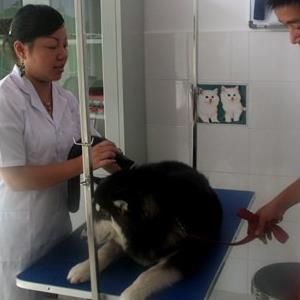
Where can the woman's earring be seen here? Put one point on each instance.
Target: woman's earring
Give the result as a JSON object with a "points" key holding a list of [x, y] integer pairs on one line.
{"points": [[22, 69]]}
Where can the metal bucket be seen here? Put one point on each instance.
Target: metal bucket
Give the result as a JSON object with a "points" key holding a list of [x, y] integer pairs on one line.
{"points": [[280, 281]]}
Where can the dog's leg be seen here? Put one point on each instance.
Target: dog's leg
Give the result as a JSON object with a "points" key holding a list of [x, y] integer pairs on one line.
{"points": [[151, 281], [106, 254]]}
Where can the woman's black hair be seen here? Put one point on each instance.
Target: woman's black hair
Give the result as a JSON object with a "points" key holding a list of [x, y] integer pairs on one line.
{"points": [[276, 3], [33, 21]]}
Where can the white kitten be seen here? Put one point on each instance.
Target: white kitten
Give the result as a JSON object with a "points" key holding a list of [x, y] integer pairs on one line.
{"points": [[207, 108], [231, 102]]}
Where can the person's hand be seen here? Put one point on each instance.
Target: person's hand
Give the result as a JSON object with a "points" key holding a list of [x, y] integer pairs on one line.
{"points": [[103, 154], [269, 214]]}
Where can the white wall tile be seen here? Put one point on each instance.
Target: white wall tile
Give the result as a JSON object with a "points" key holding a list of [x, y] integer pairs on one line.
{"points": [[168, 143], [229, 180], [242, 251], [168, 102], [223, 148], [168, 15], [234, 277], [274, 105], [267, 187], [290, 251], [220, 15], [168, 55], [222, 295], [272, 57], [291, 248], [240, 56], [293, 214], [214, 56], [223, 56], [177, 15], [274, 152]]}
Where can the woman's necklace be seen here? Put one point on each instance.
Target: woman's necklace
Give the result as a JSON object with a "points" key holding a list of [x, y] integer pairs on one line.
{"points": [[45, 94], [48, 105]]}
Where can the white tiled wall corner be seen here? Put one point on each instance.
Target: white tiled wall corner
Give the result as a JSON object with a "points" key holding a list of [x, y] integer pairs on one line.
{"points": [[169, 96], [262, 156], [168, 55], [169, 143]]}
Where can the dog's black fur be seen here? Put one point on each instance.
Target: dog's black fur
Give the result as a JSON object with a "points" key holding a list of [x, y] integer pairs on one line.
{"points": [[163, 214]]}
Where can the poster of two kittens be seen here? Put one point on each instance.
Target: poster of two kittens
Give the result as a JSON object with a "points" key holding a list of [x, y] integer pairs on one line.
{"points": [[221, 104]]}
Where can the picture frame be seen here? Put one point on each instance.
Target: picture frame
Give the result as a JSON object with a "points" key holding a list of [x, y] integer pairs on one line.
{"points": [[222, 103]]}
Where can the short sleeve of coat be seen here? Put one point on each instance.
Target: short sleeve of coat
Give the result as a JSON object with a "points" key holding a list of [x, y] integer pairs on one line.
{"points": [[12, 149]]}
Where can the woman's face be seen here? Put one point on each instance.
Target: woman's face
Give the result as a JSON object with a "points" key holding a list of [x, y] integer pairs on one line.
{"points": [[45, 59]]}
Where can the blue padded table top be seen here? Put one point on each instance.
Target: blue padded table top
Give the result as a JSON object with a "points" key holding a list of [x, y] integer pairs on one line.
{"points": [[49, 273]]}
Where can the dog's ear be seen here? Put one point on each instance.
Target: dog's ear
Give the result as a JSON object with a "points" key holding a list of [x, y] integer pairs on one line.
{"points": [[121, 205]]}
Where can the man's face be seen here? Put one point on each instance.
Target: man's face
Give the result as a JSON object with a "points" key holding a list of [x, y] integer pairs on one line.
{"points": [[289, 15]]}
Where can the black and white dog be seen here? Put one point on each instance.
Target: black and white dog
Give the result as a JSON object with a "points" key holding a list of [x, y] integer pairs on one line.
{"points": [[164, 215]]}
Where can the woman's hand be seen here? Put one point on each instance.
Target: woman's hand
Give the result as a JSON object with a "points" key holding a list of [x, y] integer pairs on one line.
{"points": [[271, 213], [103, 154]]}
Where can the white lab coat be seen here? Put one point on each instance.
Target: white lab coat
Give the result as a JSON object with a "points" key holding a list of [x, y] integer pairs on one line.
{"points": [[31, 222]]}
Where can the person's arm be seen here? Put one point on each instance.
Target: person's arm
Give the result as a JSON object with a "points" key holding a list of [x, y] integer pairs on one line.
{"points": [[40, 177], [274, 210], [22, 178]]}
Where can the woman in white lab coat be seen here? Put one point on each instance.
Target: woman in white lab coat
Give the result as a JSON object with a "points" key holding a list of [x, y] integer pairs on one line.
{"points": [[38, 120]]}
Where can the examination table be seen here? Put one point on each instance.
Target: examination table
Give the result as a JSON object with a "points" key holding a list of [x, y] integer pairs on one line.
{"points": [[49, 273]]}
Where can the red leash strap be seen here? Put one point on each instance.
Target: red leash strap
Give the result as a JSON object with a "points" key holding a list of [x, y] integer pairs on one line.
{"points": [[253, 220]]}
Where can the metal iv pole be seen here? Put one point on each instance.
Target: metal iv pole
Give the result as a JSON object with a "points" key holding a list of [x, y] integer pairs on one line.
{"points": [[86, 142], [194, 87]]}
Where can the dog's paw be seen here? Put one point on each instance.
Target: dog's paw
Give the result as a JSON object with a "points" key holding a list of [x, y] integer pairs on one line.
{"points": [[79, 273]]}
